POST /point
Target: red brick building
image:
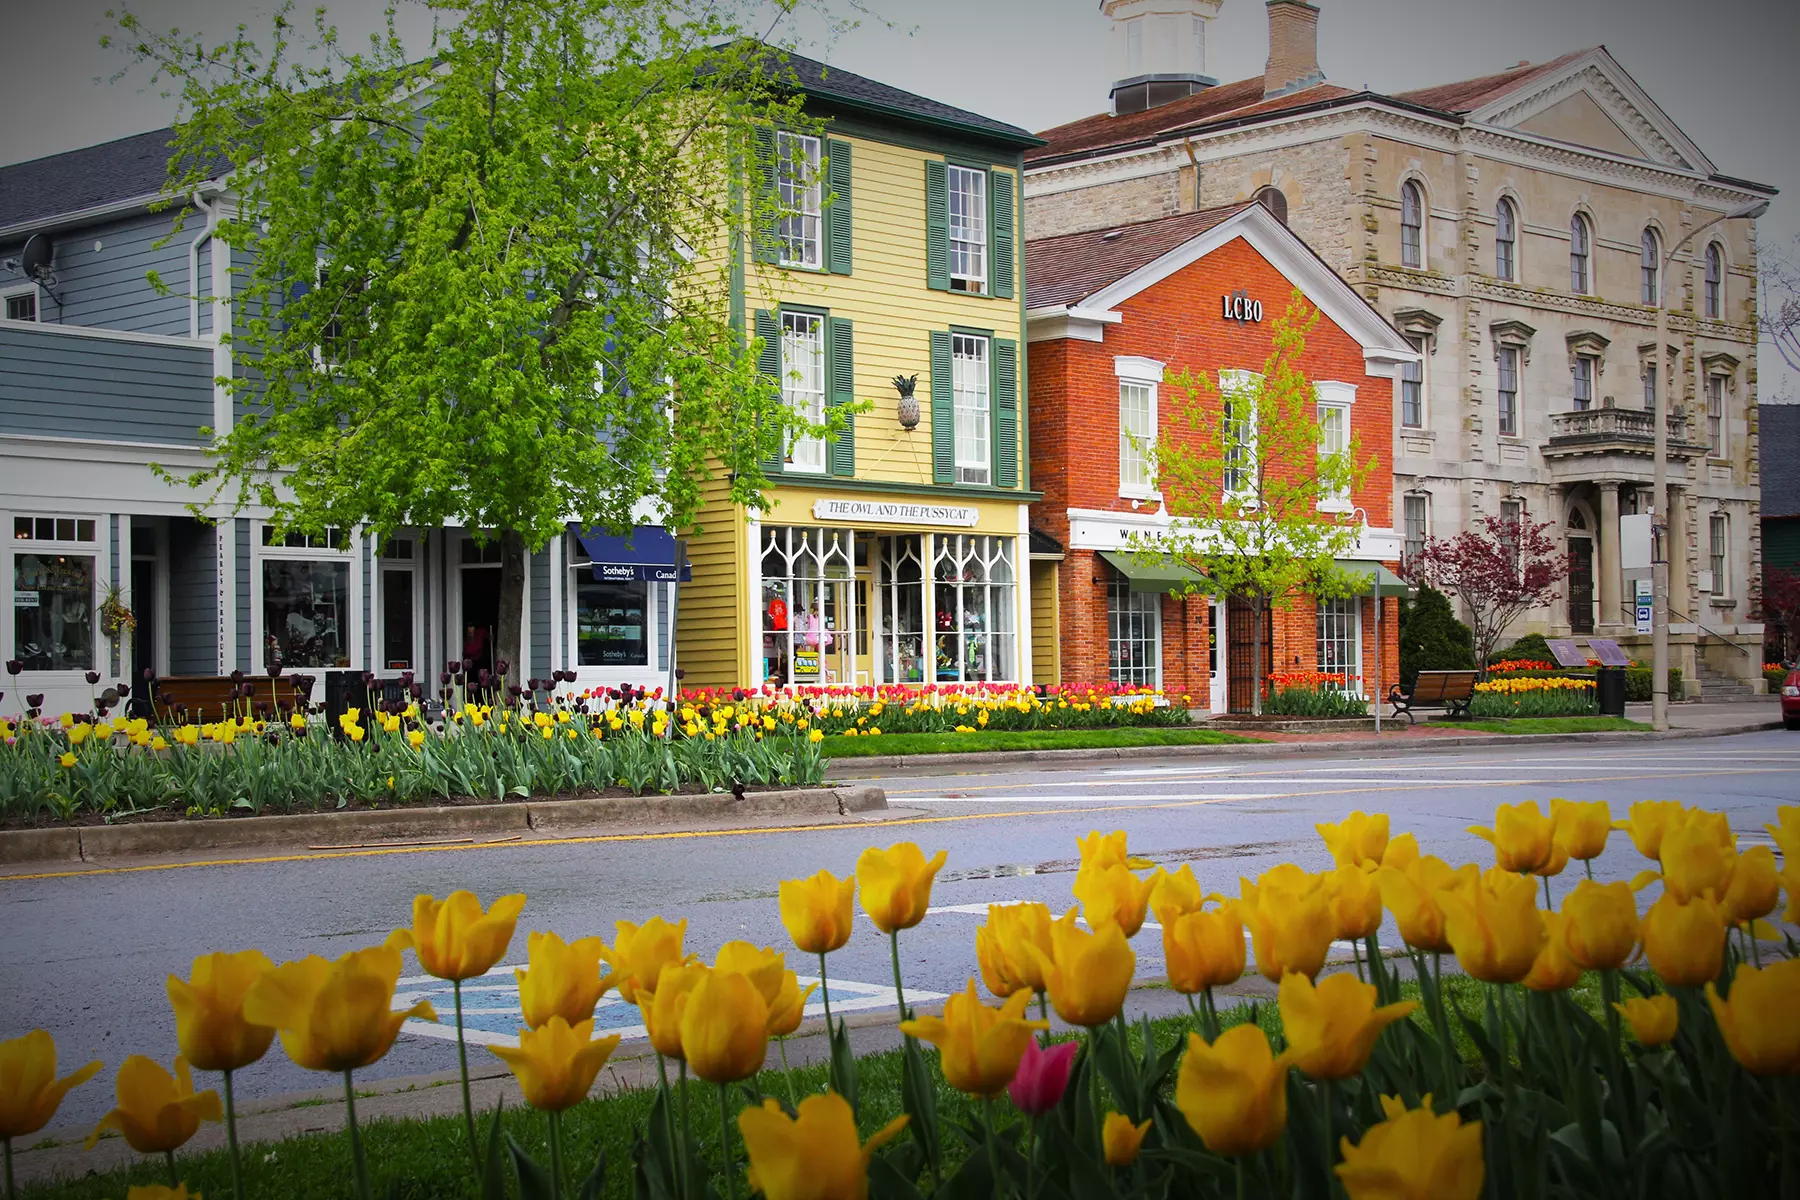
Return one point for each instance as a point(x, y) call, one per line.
point(1110, 315)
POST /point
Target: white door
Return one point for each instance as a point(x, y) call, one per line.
point(1219, 702)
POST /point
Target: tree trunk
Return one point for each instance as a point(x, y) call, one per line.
point(1256, 632)
point(507, 647)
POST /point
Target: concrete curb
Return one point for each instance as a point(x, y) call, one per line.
point(1370, 748)
point(84, 843)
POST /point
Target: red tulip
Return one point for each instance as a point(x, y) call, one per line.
point(1042, 1077)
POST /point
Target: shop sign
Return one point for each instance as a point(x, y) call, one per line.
point(634, 572)
point(887, 512)
point(25, 599)
point(1241, 308)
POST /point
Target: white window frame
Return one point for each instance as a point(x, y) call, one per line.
point(1502, 408)
point(1713, 287)
point(1140, 380)
point(1334, 401)
point(601, 674)
point(1413, 204)
point(1718, 538)
point(1413, 375)
point(971, 407)
point(806, 453)
point(1506, 234)
point(1581, 255)
point(350, 553)
point(970, 250)
point(1143, 610)
point(1650, 265)
point(100, 551)
point(11, 291)
point(1347, 609)
point(1231, 383)
point(1716, 433)
point(378, 609)
point(801, 201)
point(1584, 375)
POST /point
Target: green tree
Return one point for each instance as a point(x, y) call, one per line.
point(1431, 638)
point(1258, 507)
point(487, 281)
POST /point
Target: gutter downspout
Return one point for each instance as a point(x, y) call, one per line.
point(193, 259)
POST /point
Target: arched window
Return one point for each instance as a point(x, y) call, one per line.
point(1275, 200)
point(1412, 226)
point(1581, 249)
point(1715, 281)
point(1506, 241)
point(1650, 267)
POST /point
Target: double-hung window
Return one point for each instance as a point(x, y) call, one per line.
point(1412, 387)
point(1237, 393)
point(1509, 391)
point(1718, 531)
point(1506, 241)
point(803, 385)
point(1715, 415)
point(1414, 509)
point(1581, 275)
point(1412, 226)
point(1339, 639)
point(1584, 382)
point(1133, 634)
point(1715, 281)
point(1650, 387)
point(799, 191)
point(968, 229)
point(969, 373)
point(1334, 400)
point(1138, 380)
point(1512, 518)
point(1650, 267)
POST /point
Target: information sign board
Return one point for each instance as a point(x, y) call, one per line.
point(1566, 653)
point(1609, 652)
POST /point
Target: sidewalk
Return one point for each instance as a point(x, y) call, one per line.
point(1692, 719)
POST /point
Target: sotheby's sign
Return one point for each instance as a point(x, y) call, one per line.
point(889, 513)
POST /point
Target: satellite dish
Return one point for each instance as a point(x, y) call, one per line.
point(34, 259)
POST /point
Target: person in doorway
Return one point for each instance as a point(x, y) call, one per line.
point(475, 647)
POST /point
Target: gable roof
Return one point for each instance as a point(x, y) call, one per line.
point(118, 172)
point(1227, 101)
point(1468, 95)
point(858, 91)
point(1778, 438)
point(1065, 270)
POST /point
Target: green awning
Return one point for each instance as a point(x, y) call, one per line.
point(1153, 572)
point(1375, 575)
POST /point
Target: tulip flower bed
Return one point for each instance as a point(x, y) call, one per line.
point(1345, 1093)
point(1311, 694)
point(1534, 696)
point(1023, 740)
point(960, 708)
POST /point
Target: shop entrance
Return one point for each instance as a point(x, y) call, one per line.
point(1240, 624)
point(1581, 585)
point(480, 615)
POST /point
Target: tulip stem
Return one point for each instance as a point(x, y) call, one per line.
point(556, 1164)
point(899, 992)
point(1325, 1110)
point(356, 1146)
point(825, 994)
point(787, 1073)
point(1238, 1162)
point(462, 1059)
point(1589, 864)
point(993, 1155)
point(1044, 1015)
point(237, 1170)
point(687, 1136)
point(1356, 952)
point(725, 1142)
point(174, 1179)
point(1549, 905)
point(6, 1147)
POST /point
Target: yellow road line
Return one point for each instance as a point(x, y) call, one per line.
point(672, 835)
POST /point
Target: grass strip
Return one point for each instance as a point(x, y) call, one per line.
point(1023, 739)
point(1547, 725)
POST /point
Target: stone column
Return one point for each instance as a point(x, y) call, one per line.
point(1609, 555)
point(1681, 601)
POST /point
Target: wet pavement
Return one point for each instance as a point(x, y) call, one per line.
point(87, 954)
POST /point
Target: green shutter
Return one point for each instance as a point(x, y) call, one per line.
point(840, 454)
point(762, 210)
point(937, 226)
point(768, 362)
point(943, 411)
point(1006, 413)
point(1000, 192)
point(838, 219)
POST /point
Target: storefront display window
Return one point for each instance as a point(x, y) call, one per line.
point(902, 593)
point(807, 605)
point(611, 623)
point(974, 638)
point(1134, 634)
point(304, 606)
point(53, 611)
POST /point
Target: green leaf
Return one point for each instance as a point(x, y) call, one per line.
point(493, 1169)
point(534, 1179)
point(918, 1091)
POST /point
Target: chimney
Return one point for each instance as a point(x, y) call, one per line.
point(1293, 48)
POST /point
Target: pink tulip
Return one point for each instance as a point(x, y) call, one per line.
point(1042, 1078)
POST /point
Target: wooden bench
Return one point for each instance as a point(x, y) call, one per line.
point(180, 699)
point(1448, 690)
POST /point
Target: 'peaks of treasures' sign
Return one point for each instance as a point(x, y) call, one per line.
point(1241, 308)
point(886, 512)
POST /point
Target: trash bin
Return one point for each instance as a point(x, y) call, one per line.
point(344, 690)
point(1609, 691)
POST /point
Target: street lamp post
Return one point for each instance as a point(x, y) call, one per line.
point(1659, 493)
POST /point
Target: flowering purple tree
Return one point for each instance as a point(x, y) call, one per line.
point(1499, 570)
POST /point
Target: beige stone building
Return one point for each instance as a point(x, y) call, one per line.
point(1514, 226)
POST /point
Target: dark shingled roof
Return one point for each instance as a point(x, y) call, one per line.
point(1778, 436)
point(1068, 269)
point(92, 176)
point(833, 83)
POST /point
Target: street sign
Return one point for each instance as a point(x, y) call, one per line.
point(1641, 607)
point(1609, 652)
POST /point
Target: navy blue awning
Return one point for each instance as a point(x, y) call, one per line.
point(647, 552)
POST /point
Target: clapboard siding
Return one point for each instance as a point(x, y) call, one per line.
point(241, 594)
point(110, 287)
point(193, 598)
point(539, 655)
point(61, 384)
point(710, 635)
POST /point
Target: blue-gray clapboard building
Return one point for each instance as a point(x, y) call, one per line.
point(104, 379)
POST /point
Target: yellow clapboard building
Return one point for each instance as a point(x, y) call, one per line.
point(893, 279)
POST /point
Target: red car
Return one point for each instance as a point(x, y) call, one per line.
point(1790, 699)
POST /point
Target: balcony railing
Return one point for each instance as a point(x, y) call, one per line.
point(1619, 430)
point(104, 385)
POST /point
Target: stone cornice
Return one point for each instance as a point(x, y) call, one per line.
point(1615, 103)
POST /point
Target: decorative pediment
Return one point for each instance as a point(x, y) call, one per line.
point(1593, 102)
point(1418, 322)
point(1512, 333)
point(1648, 349)
point(1719, 363)
point(1589, 343)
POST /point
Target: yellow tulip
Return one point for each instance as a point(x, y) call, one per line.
point(1685, 943)
point(789, 1006)
point(1602, 927)
point(1355, 901)
point(813, 1155)
point(157, 1112)
point(1582, 826)
point(896, 884)
point(817, 911)
point(334, 1016)
point(1757, 1018)
point(978, 1047)
point(1790, 883)
point(1233, 1091)
point(1113, 895)
point(1121, 1140)
point(1402, 850)
point(561, 979)
point(1694, 863)
point(1174, 893)
point(1288, 914)
point(556, 1064)
point(662, 1008)
point(1204, 949)
point(1552, 866)
point(1414, 1155)
point(1332, 1028)
point(1755, 887)
point(761, 965)
point(1493, 924)
point(1786, 830)
point(1411, 893)
point(1648, 821)
point(30, 1092)
point(724, 1028)
point(1652, 1018)
point(1108, 850)
point(209, 1011)
point(454, 939)
point(1358, 839)
point(1002, 947)
point(1553, 970)
point(640, 952)
point(1522, 836)
point(1087, 974)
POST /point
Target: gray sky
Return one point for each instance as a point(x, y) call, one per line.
point(1724, 70)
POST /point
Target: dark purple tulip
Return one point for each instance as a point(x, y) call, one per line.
point(501, 666)
point(124, 690)
point(149, 674)
point(680, 674)
point(93, 677)
point(275, 669)
point(237, 677)
point(417, 691)
point(35, 701)
point(483, 677)
point(468, 665)
point(14, 666)
point(444, 679)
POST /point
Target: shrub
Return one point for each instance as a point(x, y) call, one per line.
point(1532, 646)
point(1637, 683)
point(1431, 638)
point(1776, 675)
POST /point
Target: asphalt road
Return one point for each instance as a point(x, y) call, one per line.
point(86, 954)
